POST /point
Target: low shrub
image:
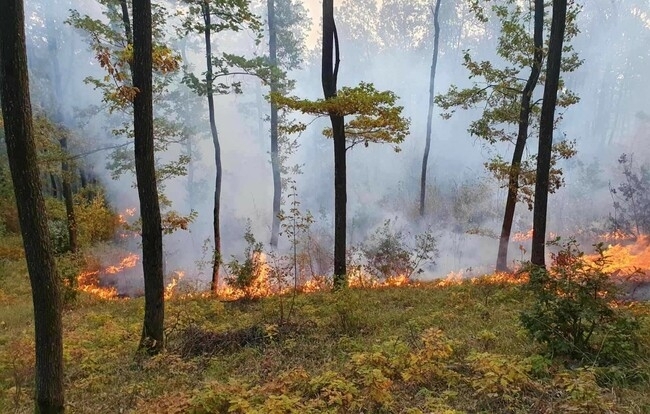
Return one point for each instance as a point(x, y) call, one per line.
point(574, 311)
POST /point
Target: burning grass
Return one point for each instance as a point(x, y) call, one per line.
point(452, 341)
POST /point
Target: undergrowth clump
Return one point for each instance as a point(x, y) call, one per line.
point(247, 276)
point(387, 255)
point(575, 313)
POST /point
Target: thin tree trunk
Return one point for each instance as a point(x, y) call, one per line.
point(152, 258)
point(21, 150)
point(126, 21)
point(54, 189)
point(217, 148)
point(522, 137)
point(66, 188)
point(330, 69)
point(547, 118)
point(275, 156)
point(66, 174)
point(82, 177)
point(427, 147)
point(189, 141)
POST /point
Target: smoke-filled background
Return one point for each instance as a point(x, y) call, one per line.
point(388, 43)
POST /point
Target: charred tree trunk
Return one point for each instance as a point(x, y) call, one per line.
point(432, 80)
point(275, 156)
point(522, 136)
point(21, 150)
point(209, 80)
point(152, 258)
point(329, 74)
point(546, 124)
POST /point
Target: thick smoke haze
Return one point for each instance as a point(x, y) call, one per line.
point(465, 205)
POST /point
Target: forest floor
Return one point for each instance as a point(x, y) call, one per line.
point(413, 349)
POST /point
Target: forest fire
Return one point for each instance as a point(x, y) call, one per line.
point(624, 260)
point(89, 282)
point(627, 260)
point(126, 263)
point(104, 281)
point(171, 286)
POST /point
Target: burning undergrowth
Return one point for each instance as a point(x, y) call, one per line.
point(112, 272)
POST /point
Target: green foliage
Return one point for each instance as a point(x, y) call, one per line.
point(58, 230)
point(96, 220)
point(375, 117)
point(225, 16)
point(248, 276)
point(497, 88)
point(499, 376)
point(574, 311)
point(500, 169)
point(388, 255)
point(112, 45)
point(69, 266)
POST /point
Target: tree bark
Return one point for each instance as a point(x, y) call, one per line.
point(329, 74)
point(275, 156)
point(434, 64)
point(126, 21)
point(214, 286)
point(152, 340)
point(21, 150)
point(66, 188)
point(547, 119)
point(522, 137)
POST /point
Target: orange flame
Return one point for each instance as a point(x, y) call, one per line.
point(128, 262)
point(169, 289)
point(89, 282)
point(625, 260)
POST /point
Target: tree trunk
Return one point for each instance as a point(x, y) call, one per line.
point(66, 188)
point(546, 124)
point(329, 74)
point(275, 156)
point(21, 151)
point(126, 21)
point(434, 64)
point(66, 174)
point(152, 258)
point(522, 137)
point(214, 286)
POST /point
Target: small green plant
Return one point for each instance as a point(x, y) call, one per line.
point(247, 275)
point(295, 225)
point(69, 265)
point(388, 255)
point(573, 311)
point(58, 236)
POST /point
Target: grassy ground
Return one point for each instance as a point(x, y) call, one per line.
point(418, 349)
